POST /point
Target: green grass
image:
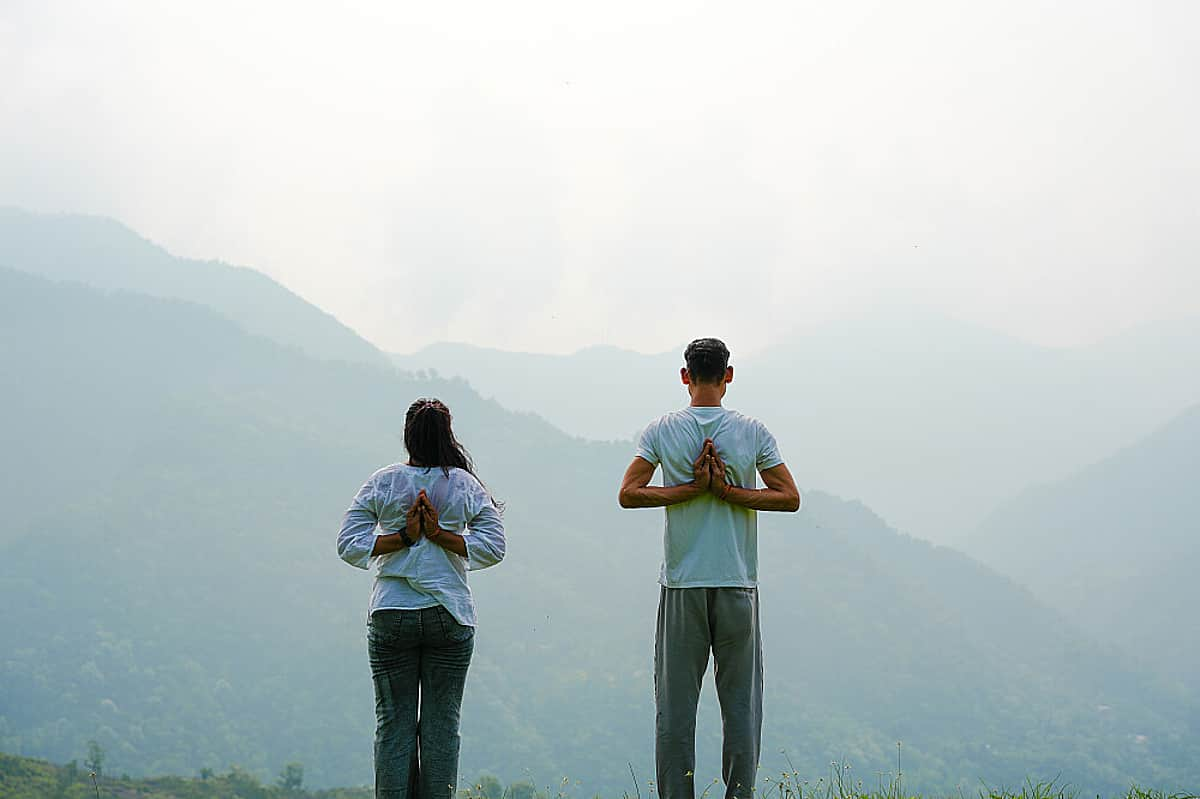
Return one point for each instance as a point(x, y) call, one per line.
point(26, 778)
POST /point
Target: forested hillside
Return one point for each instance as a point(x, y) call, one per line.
point(1117, 547)
point(168, 585)
point(102, 252)
point(28, 778)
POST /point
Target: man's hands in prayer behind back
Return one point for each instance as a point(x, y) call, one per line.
point(709, 470)
point(702, 467)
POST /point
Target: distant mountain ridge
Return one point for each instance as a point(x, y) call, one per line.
point(932, 421)
point(169, 576)
point(1116, 546)
point(629, 386)
point(104, 253)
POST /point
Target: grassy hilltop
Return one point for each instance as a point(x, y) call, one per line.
point(26, 778)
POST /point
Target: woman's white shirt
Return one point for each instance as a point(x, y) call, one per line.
point(425, 574)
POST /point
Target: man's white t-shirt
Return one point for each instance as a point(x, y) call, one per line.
point(709, 543)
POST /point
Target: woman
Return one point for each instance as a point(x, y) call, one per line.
point(421, 622)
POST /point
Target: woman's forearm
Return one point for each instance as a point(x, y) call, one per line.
point(448, 540)
point(388, 542)
point(394, 542)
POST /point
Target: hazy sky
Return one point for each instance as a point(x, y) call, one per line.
point(549, 175)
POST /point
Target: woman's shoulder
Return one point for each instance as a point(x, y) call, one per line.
point(390, 476)
point(471, 491)
point(390, 469)
point(463, 478)
point(458, 481)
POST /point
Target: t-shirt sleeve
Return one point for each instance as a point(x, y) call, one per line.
point(647, 446)
point(768, 451)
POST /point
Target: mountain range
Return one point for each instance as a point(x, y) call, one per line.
point(173, 478)
point(1116, 547)
point(104, 253)
point(932, 421)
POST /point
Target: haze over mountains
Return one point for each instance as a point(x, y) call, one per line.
point(1116, 547)
point(106, 254)
point(173, 477)
point(932, 422)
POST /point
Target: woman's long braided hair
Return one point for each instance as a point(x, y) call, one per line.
point(429, 439)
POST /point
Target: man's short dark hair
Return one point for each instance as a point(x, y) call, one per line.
point(707, 359)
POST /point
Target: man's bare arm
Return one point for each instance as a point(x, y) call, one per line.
point(780, 492)
point(636, 491)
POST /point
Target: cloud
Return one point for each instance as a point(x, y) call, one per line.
point(536, 176)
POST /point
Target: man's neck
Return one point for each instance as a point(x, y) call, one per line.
point(706, 397)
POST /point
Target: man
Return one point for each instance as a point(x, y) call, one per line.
point(709, 596)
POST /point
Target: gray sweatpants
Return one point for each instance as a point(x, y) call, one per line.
point(692, 622)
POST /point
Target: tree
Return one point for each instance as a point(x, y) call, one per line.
point(488, 787)
point(522, 790)
point(95, 758)
point(291, 778)
point(245, 785)
point(68, 775)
